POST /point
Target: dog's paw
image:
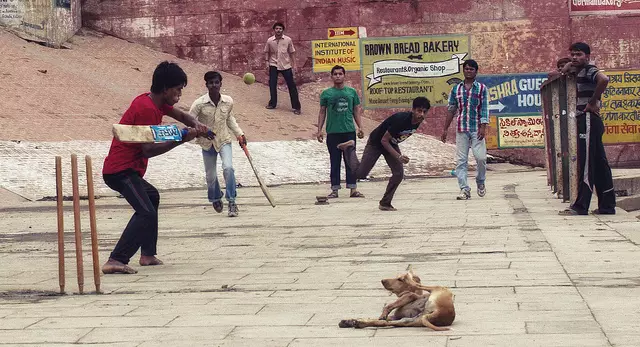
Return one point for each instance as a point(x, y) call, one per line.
point(348, 323)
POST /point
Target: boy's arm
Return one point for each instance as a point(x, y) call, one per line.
point(601, 84)
point(484, 114)
point(321, 117)
point(452, 110)
point(235, 129)
point(188, 120)
point(150, 150)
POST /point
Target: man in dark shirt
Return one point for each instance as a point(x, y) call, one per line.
point(384, 141)
point(592, 159)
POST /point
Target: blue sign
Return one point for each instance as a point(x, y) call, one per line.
point(514, 93)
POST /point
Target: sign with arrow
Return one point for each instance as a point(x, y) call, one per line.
point(342, 33)
point(514, 93)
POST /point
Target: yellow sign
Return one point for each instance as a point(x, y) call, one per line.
point(491, 138)
point(342, 33)
point(396, 70)
point(520, 131)
point(329, 53)
point(621, 107)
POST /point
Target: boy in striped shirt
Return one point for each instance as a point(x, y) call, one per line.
point(469, 102)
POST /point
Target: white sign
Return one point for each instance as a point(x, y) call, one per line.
point(415, 69)
point(11, 12)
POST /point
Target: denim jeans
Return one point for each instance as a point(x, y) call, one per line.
point(210, 157)
point(479, 148)
point(335, 158)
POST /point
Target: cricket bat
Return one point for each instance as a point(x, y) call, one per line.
point(150, 133)
point(263, 186)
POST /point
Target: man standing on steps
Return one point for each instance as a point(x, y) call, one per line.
point(280, 59)
point(214, 110)
point(469, 101)
point(384, 141)
point(125, 166)
point(340, 106)
point(592, 158)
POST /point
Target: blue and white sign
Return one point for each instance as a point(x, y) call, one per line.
point(514, 93)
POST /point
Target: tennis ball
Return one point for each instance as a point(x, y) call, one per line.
point(249, 78)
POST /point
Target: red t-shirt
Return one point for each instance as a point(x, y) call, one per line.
point(124, 156)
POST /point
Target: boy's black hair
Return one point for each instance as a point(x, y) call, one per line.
point(211, 75)
point(421, 102)
point(472, 63)
point(338, 67)
point(278, 24)
point(581, 47)
point(167, 75)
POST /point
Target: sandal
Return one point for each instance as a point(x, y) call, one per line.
point(356, 194)
point(571, 212)
point(333, 195)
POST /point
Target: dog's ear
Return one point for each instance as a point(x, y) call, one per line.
point(416, 278)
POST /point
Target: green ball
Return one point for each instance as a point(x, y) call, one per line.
point(249, 78)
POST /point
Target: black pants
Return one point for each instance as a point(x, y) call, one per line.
point(335, 157)
point(596, 165)
point(142, 230)
point(370, 156)
point(291, 85)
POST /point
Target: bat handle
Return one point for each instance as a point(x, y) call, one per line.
point(210, 134)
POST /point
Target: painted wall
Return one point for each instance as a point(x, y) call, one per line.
point(50, 21)
point(507, 36)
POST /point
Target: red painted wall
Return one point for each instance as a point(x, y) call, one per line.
point(507, 36)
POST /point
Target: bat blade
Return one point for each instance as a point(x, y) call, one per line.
point(263, 186)
point(147, 133)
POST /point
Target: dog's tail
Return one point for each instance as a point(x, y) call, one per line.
point(426, 323)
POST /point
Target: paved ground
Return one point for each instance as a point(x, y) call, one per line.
point(522, 275)
point(27, 168)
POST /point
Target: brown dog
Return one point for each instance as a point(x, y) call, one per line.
point(414, 308)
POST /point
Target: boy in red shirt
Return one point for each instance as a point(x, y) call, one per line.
point(126, 164)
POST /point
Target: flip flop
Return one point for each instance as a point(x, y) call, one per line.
point(356, 194)
point(571, 212)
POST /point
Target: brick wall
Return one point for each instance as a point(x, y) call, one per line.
point(507, 36)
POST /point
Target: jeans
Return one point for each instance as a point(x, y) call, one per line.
point(335, 158)
point(370, 156)
point(210, 157)
point(291, 85)
point(465, 140)
point(142, 229)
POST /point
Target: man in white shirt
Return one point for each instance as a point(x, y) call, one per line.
point(214, 110)
point(280, 59)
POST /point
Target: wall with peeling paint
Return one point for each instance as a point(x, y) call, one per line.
point(52, 22)
point(507, 36)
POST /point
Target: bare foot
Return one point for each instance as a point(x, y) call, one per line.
point(116, 267)
point(150, 260)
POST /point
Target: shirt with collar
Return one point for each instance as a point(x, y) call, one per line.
point(218, 118)
point(280, 51)
point(470, 105)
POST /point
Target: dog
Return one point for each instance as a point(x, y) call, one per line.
point(417, 306)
